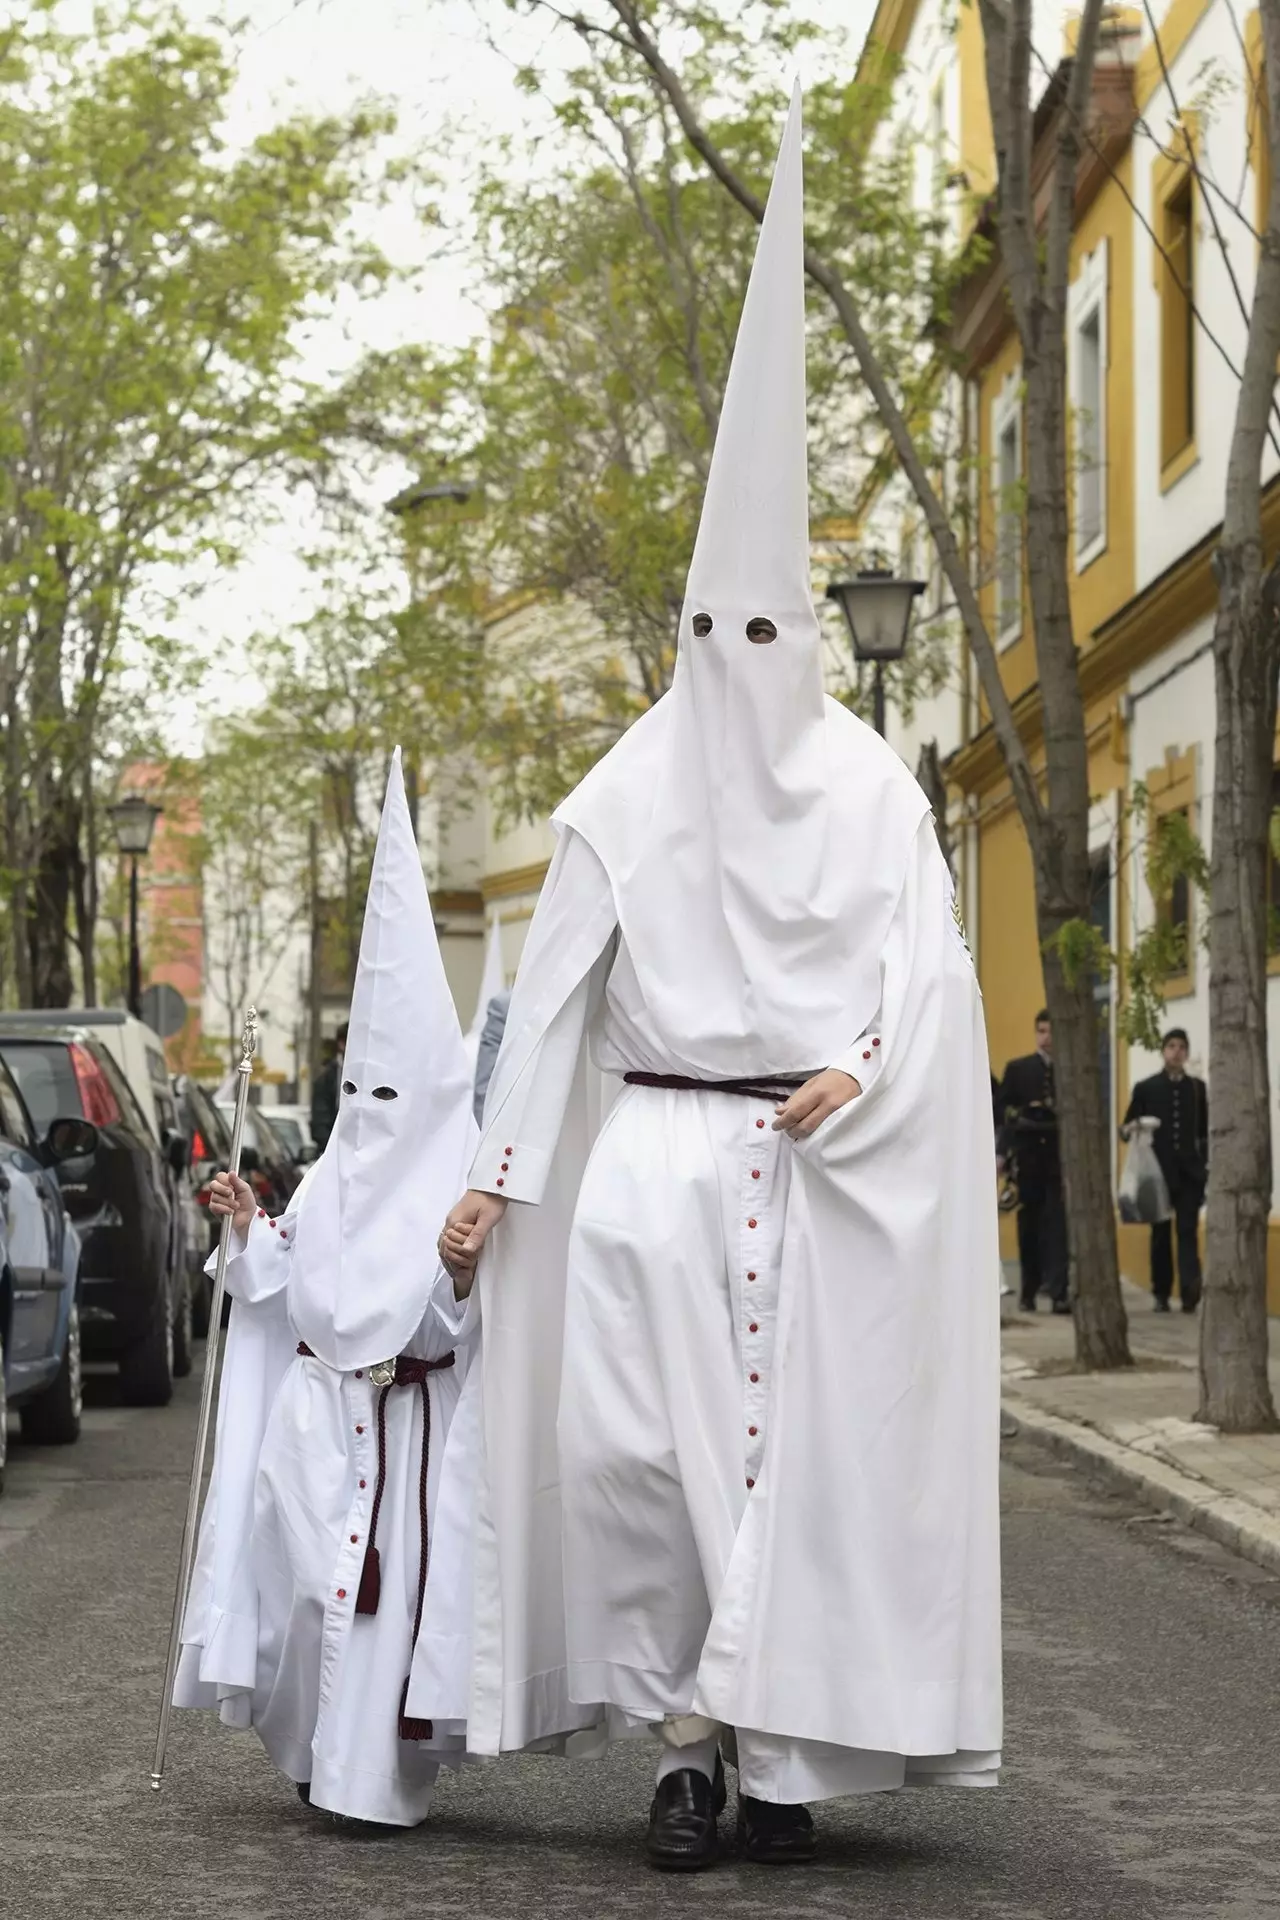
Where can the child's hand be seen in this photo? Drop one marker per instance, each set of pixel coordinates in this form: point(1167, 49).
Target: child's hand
point(228, 1193)
point(465, 1231)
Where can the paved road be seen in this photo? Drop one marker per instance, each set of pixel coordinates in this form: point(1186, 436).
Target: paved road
point(1143, 1753)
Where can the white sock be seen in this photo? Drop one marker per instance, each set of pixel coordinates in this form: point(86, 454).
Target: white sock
point(700, 1755)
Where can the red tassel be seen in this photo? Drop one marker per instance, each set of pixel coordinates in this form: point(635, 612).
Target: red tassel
point(370, 1582)
point(411, 1729)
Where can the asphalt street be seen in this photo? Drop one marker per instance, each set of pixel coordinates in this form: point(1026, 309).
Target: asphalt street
point(1143, 1748)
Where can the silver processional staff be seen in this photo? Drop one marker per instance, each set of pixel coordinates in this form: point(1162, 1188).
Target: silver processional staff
point(248, 1047)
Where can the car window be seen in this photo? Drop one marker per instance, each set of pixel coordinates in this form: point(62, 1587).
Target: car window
point(288, 1132)
point(209, 1123)
point(47, 1080)
point(134, 1118)
point(13, 1115)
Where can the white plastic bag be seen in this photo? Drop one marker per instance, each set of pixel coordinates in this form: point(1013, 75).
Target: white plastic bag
point(1144, 1193)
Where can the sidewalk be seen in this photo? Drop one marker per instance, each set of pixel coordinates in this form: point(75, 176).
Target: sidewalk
point(1137, 1429)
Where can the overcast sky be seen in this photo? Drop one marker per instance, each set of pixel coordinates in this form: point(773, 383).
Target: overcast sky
point(431, 60)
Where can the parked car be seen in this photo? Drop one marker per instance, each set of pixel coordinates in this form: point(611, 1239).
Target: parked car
point(292, 1125)
point(40, 1371)
point(208, 1136)
point(138, 1051)
point(265, 1161)
point(135, 1290)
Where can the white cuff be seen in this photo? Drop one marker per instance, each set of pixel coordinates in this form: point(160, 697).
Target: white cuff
point(516, 1172)
point(863, 1060)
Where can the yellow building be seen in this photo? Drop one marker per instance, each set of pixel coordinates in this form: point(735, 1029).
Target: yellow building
point(1152, 323)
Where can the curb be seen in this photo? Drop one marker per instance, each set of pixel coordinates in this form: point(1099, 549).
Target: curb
point(1235, 1524)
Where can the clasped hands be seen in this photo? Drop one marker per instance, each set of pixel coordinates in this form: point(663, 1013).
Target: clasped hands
point(476, 1215)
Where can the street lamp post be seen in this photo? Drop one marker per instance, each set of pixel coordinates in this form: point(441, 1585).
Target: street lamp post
point(134, 819)
point(877, 608)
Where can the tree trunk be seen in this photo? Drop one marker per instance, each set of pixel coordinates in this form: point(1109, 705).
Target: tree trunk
point(1235, 1392)
point(1037, 274)
point(49, 903)
point(930, 776)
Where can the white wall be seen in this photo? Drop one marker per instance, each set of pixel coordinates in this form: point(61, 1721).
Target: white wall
point(1170, 522)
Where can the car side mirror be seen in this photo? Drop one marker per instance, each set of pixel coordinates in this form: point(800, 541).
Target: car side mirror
point(70, 1139)
point(177, 1150)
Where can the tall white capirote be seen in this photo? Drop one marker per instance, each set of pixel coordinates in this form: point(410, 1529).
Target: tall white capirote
point(364, 1258)
point(742, 820)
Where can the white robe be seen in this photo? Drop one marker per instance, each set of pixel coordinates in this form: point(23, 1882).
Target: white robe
point(771, 1501)
point(271, 1637)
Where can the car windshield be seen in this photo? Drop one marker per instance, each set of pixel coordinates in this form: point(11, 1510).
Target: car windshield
point(269, 1141)
point(45, 1077)
point(290, 1133)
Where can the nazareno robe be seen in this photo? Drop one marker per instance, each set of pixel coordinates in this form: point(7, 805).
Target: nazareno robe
point(739, 1407)
point(271, 1638)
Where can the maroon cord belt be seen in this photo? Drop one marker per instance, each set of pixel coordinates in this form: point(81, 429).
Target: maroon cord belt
point(769, 1087)
point(409, 1372)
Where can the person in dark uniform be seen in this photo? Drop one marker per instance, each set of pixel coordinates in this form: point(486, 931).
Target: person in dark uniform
point(1180, 1103)
point(324, 1097)
point(1029, 1137)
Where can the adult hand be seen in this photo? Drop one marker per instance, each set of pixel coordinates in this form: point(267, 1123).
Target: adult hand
point(815, 1102)
point(229, 1194)
point(465, 1231)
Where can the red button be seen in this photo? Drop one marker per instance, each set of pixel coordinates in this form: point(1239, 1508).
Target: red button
point(754, 1378)
point(506, 1166)
point(362, 1483)
point(284, 1238)
point(755, 1173)
point(753, 1328)
point(875, 1043)
point(508, 1149)
point(354, 1538)
point(359, 1374)
point(499, 1183)
point(262, 1213)
point(359, 1429)
point(750, 1481)
point(751, 1276)
point(759, 1123)
point(342, 1593)
point(751, 1223)
point(867, 1054)
point(751, 1430)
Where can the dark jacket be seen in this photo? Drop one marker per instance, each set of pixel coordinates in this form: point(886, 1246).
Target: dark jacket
point(324, 1102)
point(495, 1023)
point(1029, 1121)
point(1181, 1140)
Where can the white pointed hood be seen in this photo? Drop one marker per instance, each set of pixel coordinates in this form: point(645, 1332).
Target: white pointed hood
point(364, 1257)
point(754, 832)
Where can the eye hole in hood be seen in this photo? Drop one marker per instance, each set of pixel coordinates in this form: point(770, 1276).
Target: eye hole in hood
point(348, 1086)
point(702, 625)
point(385, 1093)
point(761, 631)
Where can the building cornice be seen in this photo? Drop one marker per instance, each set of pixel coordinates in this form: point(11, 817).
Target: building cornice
point(501, 886)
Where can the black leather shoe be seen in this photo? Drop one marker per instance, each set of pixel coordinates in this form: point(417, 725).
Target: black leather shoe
point(304, 1792)
point(1062, 1306)
point(1160, 1306)
point(775, 1836)
point(682, 1820)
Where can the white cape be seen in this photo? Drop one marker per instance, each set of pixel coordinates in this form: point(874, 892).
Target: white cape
point(859, 1604)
